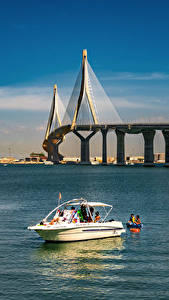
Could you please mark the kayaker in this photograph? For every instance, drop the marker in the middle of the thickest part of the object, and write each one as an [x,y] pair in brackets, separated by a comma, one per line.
[138,221]
[132,218]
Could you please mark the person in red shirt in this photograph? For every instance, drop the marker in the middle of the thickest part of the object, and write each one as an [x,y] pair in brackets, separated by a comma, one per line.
[138,221]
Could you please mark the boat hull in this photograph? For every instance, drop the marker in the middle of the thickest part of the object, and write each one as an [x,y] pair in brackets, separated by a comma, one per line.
[79,232]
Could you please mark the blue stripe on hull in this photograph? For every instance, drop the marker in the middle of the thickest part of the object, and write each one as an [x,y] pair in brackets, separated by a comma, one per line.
[106,229]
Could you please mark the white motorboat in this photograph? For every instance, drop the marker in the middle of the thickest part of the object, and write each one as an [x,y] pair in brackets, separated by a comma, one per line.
[74,221]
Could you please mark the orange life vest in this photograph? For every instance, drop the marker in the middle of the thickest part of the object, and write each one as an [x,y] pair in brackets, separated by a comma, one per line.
[138,221]
[97,219]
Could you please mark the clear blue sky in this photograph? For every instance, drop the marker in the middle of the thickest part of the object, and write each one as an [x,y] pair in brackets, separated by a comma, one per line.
[44,37]
[41,43]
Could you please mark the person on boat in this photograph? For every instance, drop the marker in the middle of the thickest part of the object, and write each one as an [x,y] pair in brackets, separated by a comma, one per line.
[138,221]
[91,211]
[67,215]
[73,211]
[97,217]
[55,218]
[84,212]
[52,222]
[79,212]
[74,217]
[57,214]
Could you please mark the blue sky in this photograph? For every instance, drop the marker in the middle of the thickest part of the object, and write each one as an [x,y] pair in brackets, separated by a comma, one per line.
[41,44]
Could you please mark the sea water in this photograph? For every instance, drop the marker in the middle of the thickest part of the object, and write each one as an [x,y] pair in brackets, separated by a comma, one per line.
[135,265]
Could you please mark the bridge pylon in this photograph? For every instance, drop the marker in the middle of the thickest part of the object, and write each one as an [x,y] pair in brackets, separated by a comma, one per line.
[84,91]
[84,95]
[51,145]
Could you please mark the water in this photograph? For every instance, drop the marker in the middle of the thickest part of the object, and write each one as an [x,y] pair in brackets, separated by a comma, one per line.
[136,265]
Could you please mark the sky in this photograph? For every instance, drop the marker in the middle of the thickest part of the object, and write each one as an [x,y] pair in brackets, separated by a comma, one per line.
[41,44]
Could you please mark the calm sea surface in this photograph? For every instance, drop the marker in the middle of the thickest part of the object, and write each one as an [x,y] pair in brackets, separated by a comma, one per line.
[136,265]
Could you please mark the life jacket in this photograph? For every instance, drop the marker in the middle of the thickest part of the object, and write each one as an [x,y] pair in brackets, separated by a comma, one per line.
[138,221]
[132,219]
[97,219]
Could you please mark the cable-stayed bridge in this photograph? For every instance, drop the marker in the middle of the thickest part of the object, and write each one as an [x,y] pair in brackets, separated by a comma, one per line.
[90,109]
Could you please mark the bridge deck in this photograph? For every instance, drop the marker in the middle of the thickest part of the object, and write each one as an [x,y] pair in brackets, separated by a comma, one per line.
[130,128]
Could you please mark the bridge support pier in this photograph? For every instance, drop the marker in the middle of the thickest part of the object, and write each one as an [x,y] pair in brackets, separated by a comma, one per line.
[85,152]
[104,145]
[148,148]
[120,147]
[49,156]
[166,138]
[54,154]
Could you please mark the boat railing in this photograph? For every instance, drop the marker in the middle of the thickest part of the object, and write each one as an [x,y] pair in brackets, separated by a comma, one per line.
[65,203]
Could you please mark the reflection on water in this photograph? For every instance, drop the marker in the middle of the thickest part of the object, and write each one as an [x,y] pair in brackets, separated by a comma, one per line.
[80,259]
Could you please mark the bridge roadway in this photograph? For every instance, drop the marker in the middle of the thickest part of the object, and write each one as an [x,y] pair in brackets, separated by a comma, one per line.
[148,131]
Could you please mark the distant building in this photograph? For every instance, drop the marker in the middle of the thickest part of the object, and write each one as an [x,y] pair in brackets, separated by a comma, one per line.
[134,159]
[37,156]
[7,160]
[27,159]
